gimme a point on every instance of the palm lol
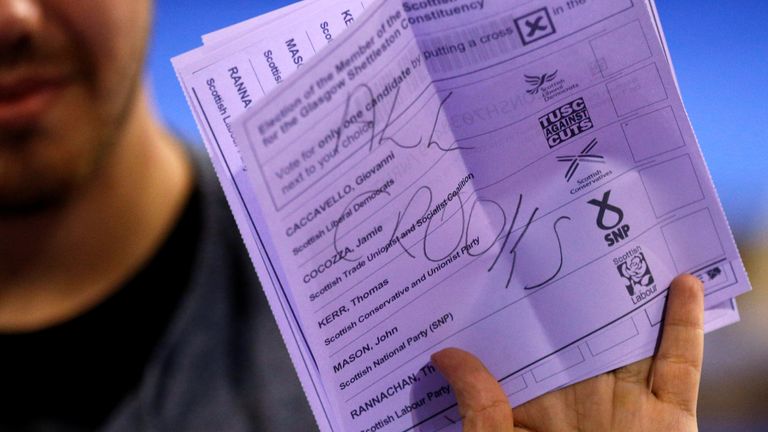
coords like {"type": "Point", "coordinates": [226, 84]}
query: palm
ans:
{"type": "Point", "coordinates": [655, 394]}
{"type": "Point", "coordinates": [616, 401]}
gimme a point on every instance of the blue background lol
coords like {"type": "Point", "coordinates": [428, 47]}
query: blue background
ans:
{"type": "Point", "coordinates": [719, 49]}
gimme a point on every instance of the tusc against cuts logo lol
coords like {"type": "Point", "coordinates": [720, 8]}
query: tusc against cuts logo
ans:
{"type": "Point", "coordinates": [566, 122]}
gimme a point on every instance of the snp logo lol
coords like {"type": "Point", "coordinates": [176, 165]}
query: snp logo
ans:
{"type": "Point", "coordinates": [617, 232]}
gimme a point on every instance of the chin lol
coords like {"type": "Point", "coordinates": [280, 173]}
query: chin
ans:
{"type": "Point", "coordinates": [26, 207]}
{"type": "Point", "coordinates": [39, 177]}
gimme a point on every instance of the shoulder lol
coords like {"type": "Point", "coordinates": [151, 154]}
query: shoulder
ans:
{"type": "Point", "coordinates": [222, 364]}
{"type": "Point", "coordinates": [268, 384]}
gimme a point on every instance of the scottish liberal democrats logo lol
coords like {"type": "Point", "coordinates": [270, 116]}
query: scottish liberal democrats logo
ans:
{"type": "Point", "coordinates": [538, 81]}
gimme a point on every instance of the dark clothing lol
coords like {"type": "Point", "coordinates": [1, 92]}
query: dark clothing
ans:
{"type": "Point", "coordinates": [209, 358]}
{"type": "Point", "coordinates": [73, 375]}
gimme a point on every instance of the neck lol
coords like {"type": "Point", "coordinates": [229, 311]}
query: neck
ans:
{"type": "Point", "coordinates": [64, 261]}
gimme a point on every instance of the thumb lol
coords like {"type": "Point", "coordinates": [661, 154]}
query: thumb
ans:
{"type": "Point", "coordinates": [482, 402]}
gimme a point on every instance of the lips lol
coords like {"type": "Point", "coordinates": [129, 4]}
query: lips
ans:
{"type": "Point", "coordinates": [25, 100]}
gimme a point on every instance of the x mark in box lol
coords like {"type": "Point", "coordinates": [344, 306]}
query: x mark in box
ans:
{"type": "Point", "coordinates": [534, 26]}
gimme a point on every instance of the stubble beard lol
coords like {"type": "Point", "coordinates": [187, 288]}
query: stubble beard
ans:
{"type": "Point", "coordinates": [34, 183]}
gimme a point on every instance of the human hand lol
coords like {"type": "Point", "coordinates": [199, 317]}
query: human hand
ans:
{"type": "Point", "coordinates": [655, 394]}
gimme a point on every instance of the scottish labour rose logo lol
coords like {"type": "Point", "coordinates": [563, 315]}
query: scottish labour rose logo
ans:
{"type": "Point", "coordinates": [636, 273]}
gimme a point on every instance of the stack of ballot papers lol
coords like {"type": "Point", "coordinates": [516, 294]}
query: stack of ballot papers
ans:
{"type": "Point", "coordinates": [515, 178]}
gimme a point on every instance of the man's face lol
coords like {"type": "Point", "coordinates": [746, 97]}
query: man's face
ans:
{"type": "Point", "coordinates": [69, 73]}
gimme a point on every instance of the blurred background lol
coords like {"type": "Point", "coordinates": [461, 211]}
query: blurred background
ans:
{"type": "Point", "coordinates": [720, 53]}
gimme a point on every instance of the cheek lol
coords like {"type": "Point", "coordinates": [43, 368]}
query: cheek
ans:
{"type": "Point", "coordinates": [110, 36]}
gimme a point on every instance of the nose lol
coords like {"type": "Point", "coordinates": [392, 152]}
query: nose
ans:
{"type": "Point", "coordinates": [19, 19]}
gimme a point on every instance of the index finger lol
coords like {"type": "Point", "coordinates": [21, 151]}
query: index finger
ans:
{"type": "Point", "coordinates": [677, 366]}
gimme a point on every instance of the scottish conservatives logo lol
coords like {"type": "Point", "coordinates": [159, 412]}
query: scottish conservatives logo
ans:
{"type": "Point", "coordinates": [586, 156]}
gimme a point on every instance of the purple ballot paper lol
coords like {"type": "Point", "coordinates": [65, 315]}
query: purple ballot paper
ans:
{"type": "Point", "coordinates": [515, 178]}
